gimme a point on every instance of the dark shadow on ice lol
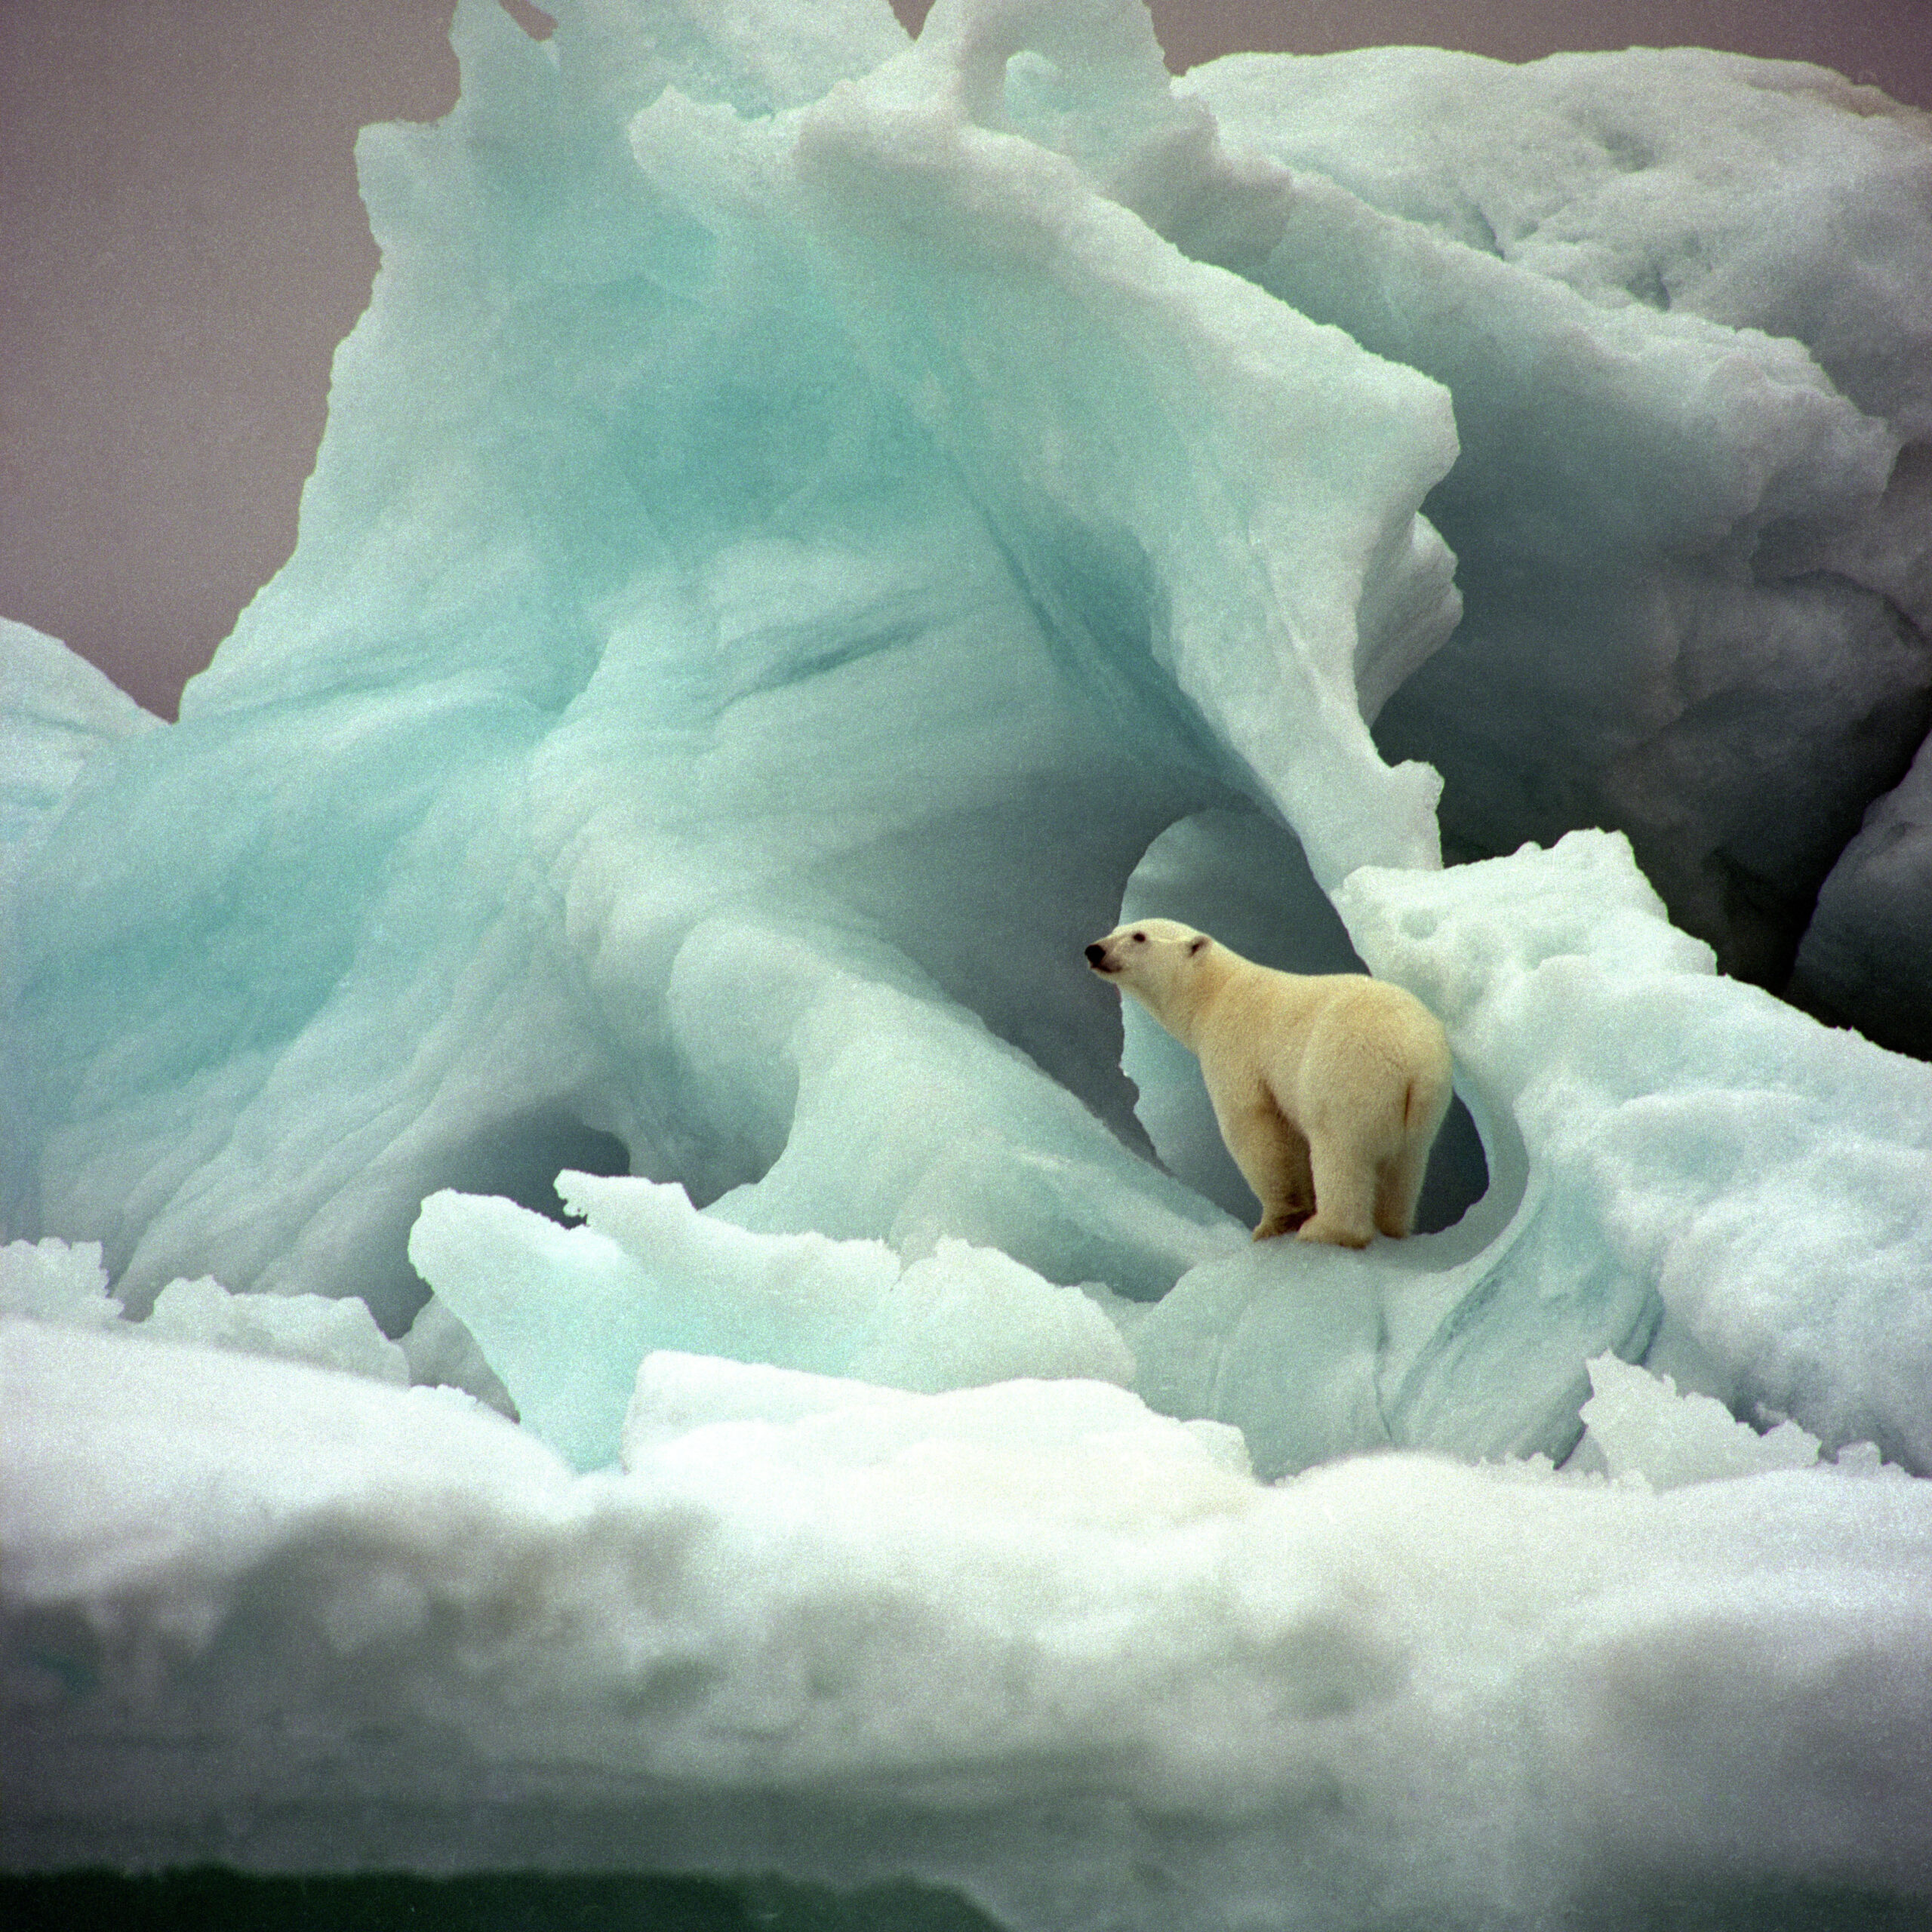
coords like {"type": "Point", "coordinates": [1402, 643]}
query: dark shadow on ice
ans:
{"type": "Point", "coordinates": [520, 1160]}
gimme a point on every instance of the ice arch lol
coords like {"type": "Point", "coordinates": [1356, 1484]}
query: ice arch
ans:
{"type": "Point", "coordinates": [798, 448]}
{"type": "Point", "coordinates": [724, 551]}
{"type": "Point", "coordinates": [794, 529]}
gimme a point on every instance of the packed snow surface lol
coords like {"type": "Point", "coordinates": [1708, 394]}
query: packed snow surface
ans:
{"type": "Point", "coordinates": [593, 1281]}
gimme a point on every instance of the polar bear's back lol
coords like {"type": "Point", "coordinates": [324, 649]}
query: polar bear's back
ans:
{"type": "Point", "coordinates": [1339, 1044]}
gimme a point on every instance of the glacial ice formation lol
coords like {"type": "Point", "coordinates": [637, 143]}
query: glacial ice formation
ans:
{"type": "Point", "coordinates": [812, 527]}
{"type": "Point", "coordinates": [1730, 308]}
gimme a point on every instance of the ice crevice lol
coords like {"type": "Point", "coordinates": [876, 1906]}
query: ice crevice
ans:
{"type": "Point", "coordinates": [814, 527]}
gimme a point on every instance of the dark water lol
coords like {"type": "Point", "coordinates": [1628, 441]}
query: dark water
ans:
{"type": "Point", "coordinates": [212, 1899]}
{"type": "Point", "coordinates": [215, 1900]}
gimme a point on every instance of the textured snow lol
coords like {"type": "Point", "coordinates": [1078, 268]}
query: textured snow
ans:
{"type": "Point", "coordinates": [50, 1280]}
{"type": "Point", "coordinates": [1698, 274]}
{"type": "Point", "coordinates": [1638, 1425]}
{"type": "Point", "coordinates": [1030, 1640]}
{"type": "Point", "coordinates": [812, 529]}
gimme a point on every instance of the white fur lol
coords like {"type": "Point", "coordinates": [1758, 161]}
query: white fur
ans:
{"type": "Point", "coordinates": [1328, 1088]}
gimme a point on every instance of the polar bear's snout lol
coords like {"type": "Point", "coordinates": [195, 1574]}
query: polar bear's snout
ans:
{"type": "Point", "coordinates": [1109, 954]}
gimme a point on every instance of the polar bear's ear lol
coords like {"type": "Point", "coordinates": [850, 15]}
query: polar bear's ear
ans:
{"type": "Point", "coordinates": [1196, 944]}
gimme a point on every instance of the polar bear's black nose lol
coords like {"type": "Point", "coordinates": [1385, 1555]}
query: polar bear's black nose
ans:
{"type": "Point", "coordinates": [1096, 953]}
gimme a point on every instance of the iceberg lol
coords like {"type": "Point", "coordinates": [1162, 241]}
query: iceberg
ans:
{"type": "Point", "coordinates": [1727, 303]}
{"type": "Point", "coordinates": [592, 1284]}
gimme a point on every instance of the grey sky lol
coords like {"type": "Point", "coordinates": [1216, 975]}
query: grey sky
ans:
{"type": "Point", "coordinates": [183, 246]}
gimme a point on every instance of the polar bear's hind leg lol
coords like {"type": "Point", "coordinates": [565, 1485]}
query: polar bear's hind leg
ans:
{"type": "Point", "coordinates": [1345, 1192]}
{"type": "Point", "coordinates": [1398, 1183]}
{"type": "Point", "coordinates": [1399, 1187]}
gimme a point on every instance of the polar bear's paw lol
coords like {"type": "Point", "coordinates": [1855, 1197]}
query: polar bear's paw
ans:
{"type": "Point", "coordinates": [1324, 1228]}
{"type": "Point", "coordinates": [1281, 1221]}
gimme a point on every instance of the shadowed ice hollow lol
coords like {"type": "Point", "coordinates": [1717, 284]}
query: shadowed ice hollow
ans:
{"type": "Point", "coordinates": [593, 1282]}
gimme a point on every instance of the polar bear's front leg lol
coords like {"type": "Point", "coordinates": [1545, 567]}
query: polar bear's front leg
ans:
{"type": "Point", "coordinates": [1271, 1153]}
{"type": "Point", "coordinates": [1279, 1221]}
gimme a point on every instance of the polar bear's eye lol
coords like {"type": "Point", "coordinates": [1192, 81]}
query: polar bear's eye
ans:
{"type": "Point", "coordinates": [1140, 939]}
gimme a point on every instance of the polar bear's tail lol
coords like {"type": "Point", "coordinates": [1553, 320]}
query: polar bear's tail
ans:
{"type": "Point", "coordinates": [1424, 1100]}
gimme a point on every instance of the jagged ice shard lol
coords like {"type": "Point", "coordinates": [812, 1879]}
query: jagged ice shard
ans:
{"type": "Point", "coordinates": [811, 528]}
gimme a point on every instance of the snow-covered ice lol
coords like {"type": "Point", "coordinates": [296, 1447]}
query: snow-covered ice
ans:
{"type": "Point", "coordinates": [1692, 366]}
{"type": "Point", "coordinates": [1029, 1640]}
{"type": "Point", "coordinates": [813, 528]}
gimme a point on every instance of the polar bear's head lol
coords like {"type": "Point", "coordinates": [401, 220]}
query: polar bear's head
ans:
{"type": "Point", "coordinates": [1154, 959]}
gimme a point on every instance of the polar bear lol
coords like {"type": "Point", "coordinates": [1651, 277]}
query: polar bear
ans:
{"type": "Point", "coordinates": [1328, 1089]}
